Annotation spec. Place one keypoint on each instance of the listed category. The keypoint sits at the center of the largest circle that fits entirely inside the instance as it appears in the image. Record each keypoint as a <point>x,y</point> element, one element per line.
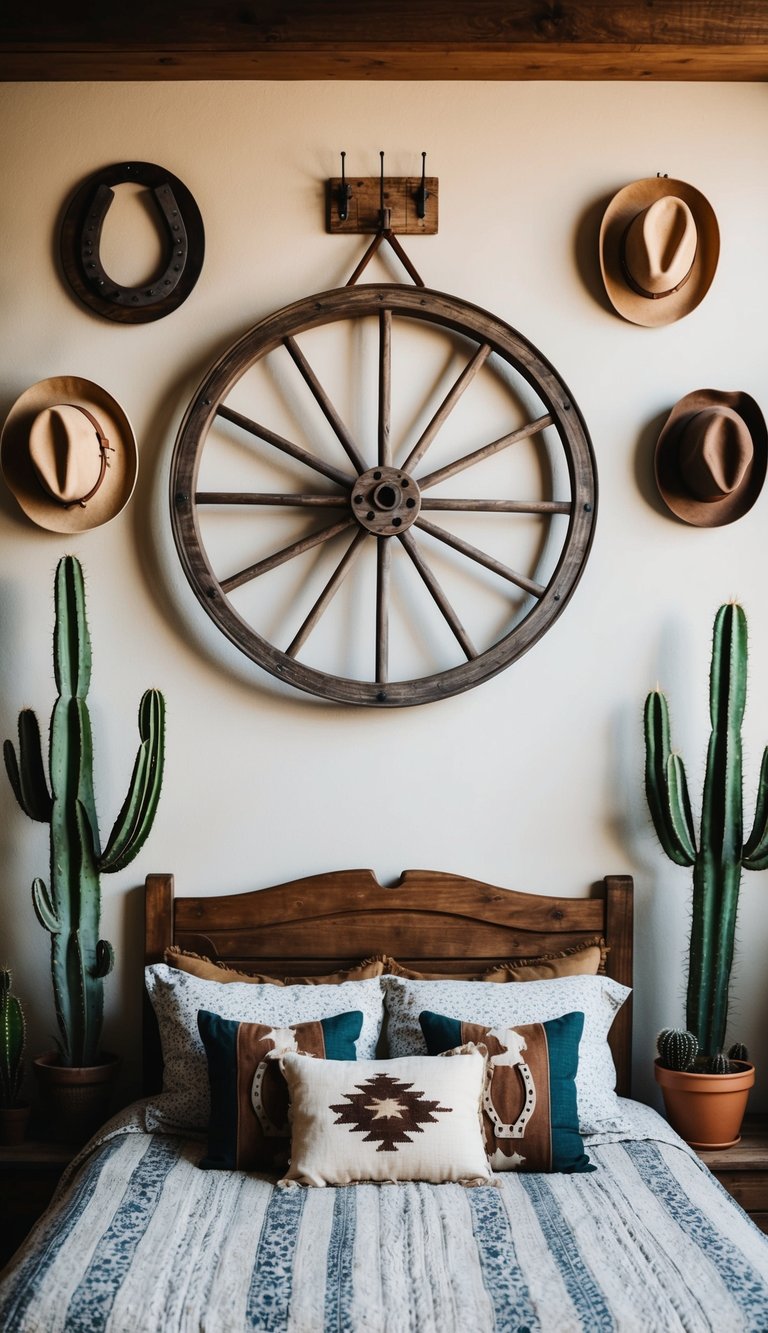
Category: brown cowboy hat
<point>68,454</point>
<point>659,247</point>
<point>711,457</point>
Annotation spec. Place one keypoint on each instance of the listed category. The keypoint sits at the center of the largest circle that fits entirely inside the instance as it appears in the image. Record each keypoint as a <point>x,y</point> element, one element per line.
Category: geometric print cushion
<point>530,1115</point>
<point>386,1120</point>
<point>248,1129</point>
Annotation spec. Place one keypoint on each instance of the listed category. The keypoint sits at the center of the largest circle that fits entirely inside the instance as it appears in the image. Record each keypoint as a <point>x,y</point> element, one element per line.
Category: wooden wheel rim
<point>447,313</point>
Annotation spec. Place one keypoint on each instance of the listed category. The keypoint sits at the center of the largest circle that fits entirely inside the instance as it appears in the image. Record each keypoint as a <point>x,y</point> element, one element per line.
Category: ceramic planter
<point>706,1109</point>
<point>76,1100</point>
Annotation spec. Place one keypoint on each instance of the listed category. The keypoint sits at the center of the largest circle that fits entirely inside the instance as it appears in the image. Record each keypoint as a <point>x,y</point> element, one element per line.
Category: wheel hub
<point>385,501</point>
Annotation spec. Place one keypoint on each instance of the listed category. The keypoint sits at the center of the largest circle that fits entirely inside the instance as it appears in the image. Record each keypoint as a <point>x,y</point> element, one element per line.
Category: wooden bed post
<point>618,929</point>
<point>158,935</point>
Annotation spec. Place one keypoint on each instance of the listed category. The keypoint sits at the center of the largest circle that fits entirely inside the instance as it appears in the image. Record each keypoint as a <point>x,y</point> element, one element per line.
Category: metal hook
<point>422,194</point>
<point>345,193</point>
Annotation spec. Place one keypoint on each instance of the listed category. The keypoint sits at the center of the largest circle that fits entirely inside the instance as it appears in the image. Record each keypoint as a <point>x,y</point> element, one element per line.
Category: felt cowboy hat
<point>711,457</point>
<point>68,454</point>
<point>659,247</point>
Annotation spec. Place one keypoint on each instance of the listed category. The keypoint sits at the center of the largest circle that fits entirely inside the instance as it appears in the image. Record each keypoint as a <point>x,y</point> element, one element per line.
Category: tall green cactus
<point>720,853</point>
<point>70,908</point>
<point>12,1040</point>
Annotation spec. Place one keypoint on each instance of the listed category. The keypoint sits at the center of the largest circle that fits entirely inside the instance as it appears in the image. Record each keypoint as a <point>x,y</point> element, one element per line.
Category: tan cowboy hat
<point>659,247</point>
<point>711,457</point>
<point>69,454</point>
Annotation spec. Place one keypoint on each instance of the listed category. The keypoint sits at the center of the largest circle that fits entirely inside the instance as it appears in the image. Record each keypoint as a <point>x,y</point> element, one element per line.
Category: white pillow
<point>598,998</point>
<point>176,997</point>
<point>386,1120</point>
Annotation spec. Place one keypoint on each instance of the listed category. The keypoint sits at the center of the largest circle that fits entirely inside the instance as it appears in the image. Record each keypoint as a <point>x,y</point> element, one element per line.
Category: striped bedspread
<point>142,1241</point>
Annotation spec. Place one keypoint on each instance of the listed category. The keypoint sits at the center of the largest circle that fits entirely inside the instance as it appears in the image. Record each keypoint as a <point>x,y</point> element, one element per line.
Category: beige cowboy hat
<point>659,247</point>
<point>711,457</point>
<point>68,454</point>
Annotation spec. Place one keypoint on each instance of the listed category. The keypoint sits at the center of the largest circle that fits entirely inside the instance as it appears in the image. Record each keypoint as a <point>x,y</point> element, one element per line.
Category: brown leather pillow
<point>587,959</point>
<point>208,970</point>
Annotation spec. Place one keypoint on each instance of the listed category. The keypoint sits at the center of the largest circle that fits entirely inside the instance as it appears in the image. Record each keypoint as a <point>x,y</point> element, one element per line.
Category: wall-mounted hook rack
<point>401,204</point>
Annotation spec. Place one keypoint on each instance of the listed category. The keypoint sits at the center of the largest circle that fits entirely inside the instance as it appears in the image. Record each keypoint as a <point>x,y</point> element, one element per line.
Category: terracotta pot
<point>706,1109</point>
<point>13,1124</point>
<point>76,1101</point>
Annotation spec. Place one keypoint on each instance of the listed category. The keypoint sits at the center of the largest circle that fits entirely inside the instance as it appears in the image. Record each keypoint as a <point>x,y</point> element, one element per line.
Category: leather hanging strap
<point>105,448</point>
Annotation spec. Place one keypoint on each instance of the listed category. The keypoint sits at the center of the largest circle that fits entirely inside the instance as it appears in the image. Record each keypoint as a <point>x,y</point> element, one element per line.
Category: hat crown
<point>65,452</point>
<point>715,451</point>
<point>660,246</point>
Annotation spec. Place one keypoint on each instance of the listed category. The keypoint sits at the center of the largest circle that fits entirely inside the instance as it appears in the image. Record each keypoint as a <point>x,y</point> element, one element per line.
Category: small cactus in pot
<point>69,906</point>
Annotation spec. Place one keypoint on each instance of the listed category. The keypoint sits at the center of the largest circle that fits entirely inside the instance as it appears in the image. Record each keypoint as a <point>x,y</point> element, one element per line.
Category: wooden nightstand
<point>743,1170</point>
<point>29,1173</point>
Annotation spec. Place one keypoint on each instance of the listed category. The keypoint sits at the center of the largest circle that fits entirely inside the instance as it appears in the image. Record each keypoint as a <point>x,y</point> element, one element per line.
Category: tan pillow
<point>208,970</point>
<point>586,959</point>
<point>384,1120</point>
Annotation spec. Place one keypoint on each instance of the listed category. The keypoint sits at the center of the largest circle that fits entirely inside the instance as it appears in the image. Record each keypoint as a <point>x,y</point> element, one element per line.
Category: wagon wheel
<point>384,499</point>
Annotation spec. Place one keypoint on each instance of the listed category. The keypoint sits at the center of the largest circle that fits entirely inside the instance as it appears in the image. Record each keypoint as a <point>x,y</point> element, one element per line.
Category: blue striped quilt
<point>142,1241</point>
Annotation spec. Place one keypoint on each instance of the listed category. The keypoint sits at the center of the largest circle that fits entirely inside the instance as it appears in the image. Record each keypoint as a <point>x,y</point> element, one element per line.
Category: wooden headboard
<point>429,920</point>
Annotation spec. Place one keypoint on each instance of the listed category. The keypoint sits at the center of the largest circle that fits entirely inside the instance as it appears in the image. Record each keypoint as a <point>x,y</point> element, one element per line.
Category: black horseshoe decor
<point>81,237</point>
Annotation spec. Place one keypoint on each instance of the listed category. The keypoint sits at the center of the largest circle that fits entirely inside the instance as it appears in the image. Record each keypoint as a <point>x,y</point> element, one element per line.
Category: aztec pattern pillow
<point>208,970</point>
<point>176,998</point>
<point>530,1116</point>
<point>386,1120</point>
<point>598,998</point>
<point>248,1129</point>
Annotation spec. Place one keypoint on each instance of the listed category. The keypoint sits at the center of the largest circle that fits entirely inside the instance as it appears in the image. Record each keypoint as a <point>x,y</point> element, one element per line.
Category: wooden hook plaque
<point>81,237</point>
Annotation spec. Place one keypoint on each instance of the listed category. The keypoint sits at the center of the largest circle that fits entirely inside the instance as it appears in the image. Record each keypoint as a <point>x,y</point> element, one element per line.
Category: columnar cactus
<point>12,1040</point>
<point>719,854</point>
<point>70,908</point>
<point>677,1049</point>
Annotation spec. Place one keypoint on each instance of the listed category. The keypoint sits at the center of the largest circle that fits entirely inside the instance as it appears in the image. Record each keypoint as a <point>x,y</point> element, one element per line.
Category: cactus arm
<point>657,755</point>
<point>71,640</point>
<point>12,1042</point>
<point>135,819</point>
<point>679,808</point>
<point>756,847</point>
<point>27,775</point>
<point>45,907</point>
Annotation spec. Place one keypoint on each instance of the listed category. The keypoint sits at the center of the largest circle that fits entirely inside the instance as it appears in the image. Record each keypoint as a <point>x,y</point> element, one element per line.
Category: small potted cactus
<point>77,1078</point>
<point>692,1064</point>
<point>14,1113</point>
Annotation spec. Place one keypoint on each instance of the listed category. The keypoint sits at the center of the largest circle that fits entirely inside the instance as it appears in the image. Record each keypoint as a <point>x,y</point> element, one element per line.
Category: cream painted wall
<point>533,780</point>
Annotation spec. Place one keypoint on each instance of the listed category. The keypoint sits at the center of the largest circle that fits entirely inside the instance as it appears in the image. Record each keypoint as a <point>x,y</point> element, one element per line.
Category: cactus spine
<point>720,853</point>
<point>677,1049</point>
<point>70,907</point>
<point>12,1041</point>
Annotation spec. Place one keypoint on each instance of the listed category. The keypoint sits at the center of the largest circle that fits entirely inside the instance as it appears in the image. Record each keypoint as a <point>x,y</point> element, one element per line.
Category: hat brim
<point>673,491</point>
<point>624,206</point>
<point>119,480</point>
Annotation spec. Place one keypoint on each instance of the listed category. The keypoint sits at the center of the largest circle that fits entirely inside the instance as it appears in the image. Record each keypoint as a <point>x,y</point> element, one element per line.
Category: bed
<point>141,1239</point>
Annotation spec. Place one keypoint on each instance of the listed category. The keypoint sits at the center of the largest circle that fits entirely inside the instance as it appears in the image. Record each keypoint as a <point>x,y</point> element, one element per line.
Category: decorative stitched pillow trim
<point>386,1120</point>
<point>530,1113</point>
<point>248,1129</point>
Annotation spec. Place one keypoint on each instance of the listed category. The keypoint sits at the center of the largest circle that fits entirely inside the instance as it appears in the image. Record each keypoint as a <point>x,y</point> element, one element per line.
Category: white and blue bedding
<point>142,1241</point>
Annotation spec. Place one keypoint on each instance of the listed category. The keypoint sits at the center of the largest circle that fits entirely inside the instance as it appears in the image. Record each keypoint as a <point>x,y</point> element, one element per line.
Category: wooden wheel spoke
<point>446,407</point>
<point>469,460</point>
<point>383,569</point>
<point>281,499</point>
<point>287,553</point>
<point>489,561</point>
<point>439,596</point>
<point>330,589</point>
<point>497,506</point>
<point>325,404</point>
<point>385,387</point>
<point>285,446</point>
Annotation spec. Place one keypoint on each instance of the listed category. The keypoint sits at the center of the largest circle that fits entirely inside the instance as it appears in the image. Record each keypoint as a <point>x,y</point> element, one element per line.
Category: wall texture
<point>533,780</point>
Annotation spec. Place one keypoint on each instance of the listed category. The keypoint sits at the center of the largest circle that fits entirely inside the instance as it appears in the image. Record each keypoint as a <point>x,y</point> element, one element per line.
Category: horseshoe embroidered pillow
<point>248,1129</point>
<point>386,1120</point>
<point>530,1114</point>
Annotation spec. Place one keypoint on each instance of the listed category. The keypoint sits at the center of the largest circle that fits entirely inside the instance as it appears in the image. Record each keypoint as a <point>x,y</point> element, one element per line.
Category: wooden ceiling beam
<point>346,39</point>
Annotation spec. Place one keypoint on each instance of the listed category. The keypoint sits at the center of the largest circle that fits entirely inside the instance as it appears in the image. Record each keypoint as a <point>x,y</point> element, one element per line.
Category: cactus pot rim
<point>50,1062</point>
<point>703,1083</point>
